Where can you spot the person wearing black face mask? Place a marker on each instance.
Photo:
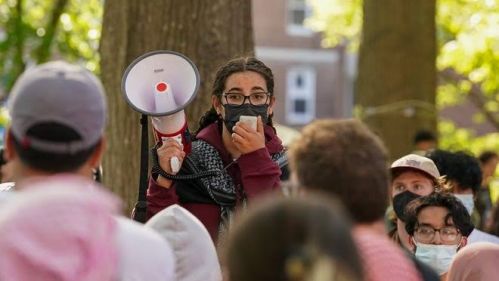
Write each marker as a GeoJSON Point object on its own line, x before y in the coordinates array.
{"type": "Point", "coordinates": [413, 176]}
{"type": "Point", "coordinates": [247, 158]}
{"type": "Point", "coordinates": [236, 106]}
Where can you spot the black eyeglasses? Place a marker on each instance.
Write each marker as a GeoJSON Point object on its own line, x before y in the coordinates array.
{"type": "Point", "coordinates": [259, 98]}
{"type": "Point", "coordinates": [426, 234]}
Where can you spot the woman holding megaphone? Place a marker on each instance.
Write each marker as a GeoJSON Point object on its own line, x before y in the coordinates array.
{"type": "Point", "coordinates": [236, 140]}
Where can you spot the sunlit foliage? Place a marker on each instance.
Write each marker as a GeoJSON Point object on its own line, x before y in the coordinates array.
{"type": "Point", "coordinates": [34, 31]}
{"type": "Point", "coordinates": [468, 41]}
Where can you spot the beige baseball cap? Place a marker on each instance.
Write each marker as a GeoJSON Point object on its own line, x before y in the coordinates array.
{"type": "Point", "coordinates": [62, 93]}
{"type": "Point", "coordinates": [417, 162]}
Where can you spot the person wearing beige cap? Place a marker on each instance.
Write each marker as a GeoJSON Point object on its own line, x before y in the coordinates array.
{"type": "Point", "coordinates": [413, 176]}
{"type": "Point", "coordinates": [56, 137]}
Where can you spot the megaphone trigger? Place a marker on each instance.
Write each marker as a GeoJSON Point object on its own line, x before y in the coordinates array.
{"type": "Point", "coordinates": [175, 164]}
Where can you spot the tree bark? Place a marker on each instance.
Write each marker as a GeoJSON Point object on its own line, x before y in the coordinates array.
{"type": "Point", "coordinates": [397, 71]}
{"type": "Point", "coordinates": [208, 32]}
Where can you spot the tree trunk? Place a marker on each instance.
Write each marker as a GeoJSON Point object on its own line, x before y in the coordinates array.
{"type": "Point", "coordinates": [397, 71]}
{"type": "Point", "coordinates": [208, 32]}
{"type": "Point", "coordinates": [18, 56]}
{"type": "Point", "coordinates": [43, 51]}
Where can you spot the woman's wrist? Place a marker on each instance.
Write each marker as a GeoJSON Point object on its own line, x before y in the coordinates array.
{"type": "Point", "coordinates": [164, 182]}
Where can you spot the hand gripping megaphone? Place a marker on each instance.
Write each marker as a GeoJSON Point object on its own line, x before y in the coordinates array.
{"type": "Point", "coordinates": [161, 84]}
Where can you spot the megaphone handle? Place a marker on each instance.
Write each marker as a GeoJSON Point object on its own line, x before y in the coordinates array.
{"type": "Point", "coordinates": [140, 210]}
{"type": "Point", "coordinates": [156, 168]}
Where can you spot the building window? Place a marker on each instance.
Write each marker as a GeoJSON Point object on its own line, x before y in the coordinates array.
{"type": "Point", "coordinates": [298, 12]}
{"type": "Point", "coordinates": [300, 95]}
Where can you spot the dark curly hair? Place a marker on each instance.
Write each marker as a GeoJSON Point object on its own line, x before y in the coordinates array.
{"type": "Point", "coordinates": [457, 212]}
{"type": "Point", "coordinates": [460, 167]}
{"type": "Point", "coordinates": [234, 66]}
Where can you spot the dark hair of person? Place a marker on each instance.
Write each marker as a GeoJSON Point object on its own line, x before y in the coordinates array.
{"type": "Point", "coordinates": [286, 238]}
{"type": "Point", "coordinates": [52, 162]}
{"type": "Point", "coordinates": [424, 135]}
{"type": "Point", "coordinates": [345, 159]}
{"type": "Point", "coordinates": [235, 66]}
{"type": "Point", "coordinates": [459, 167]}
{"type": "Point", "coordinates": [486, 156]}
{"type": "Point", "coordinates": [457, 212]}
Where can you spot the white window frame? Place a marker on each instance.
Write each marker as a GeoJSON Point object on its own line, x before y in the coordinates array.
{"type": "Point", "coordinates": [295, 29]}
{"type": "Point", "coordinates": [307, 93]}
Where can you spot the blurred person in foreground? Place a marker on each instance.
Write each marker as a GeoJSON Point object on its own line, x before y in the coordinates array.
{"type": "Point", "coordinates": [291, 239]}
{"type": "Point", "coordinates": [56, 136]}
{"type": "Point", "coordinates": [344, 159]}
{"type": "Point", "coordinates": [476, 262]}
{"type": "Point", "coordinates": [196, 258]}
{"type": "Point", "coordinates": [42, 241]}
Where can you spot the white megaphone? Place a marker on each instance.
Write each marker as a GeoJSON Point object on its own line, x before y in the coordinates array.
{"type": "Point", "coordinates": [161, 84]}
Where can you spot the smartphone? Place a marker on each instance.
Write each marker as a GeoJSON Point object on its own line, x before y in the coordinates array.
{"type": "Point", "coordinates": [249, 120]}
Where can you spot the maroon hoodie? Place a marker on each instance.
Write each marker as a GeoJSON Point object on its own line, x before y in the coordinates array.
{"type": "Point", "coordinates": [256, 172]}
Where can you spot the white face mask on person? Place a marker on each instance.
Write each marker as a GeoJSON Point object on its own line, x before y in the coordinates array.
{"type": "Point", "coordinates": [467, 200]}
{"type": "Point", "coordinates": [438, 257]}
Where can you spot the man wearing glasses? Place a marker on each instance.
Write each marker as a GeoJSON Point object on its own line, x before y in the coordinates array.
{"type": "Point", "coordinates": [438, 226]}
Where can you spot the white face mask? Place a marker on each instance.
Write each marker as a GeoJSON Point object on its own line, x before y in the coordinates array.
{"type": "Point", "coordinates": [467, 200]}
{"type": "Point", "coordinates": [438, 257]}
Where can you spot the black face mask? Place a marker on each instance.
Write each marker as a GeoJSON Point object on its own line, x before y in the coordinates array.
{"type": "Point", "coordinates": [400, 201]}
{"type": "Point", "coordinates": [233, 112]}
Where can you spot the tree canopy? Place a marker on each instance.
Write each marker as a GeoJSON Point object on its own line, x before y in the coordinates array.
{"type": "Point", "coordinates": [467, 36]}
{"type": "Point", "coordinates": [468, 58]}
{"type": "Point", "coordinates": [35, 31]}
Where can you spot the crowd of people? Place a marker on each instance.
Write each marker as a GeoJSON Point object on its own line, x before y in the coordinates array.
{"type": "Point", "coordinates": [331, 207]}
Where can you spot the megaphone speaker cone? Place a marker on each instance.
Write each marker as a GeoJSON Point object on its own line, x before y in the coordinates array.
{"type": "Point", "coordinates": [164, 72]}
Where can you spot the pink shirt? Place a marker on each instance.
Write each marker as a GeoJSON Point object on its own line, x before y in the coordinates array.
{"type": "Point", "coordinates": [383, 260]}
